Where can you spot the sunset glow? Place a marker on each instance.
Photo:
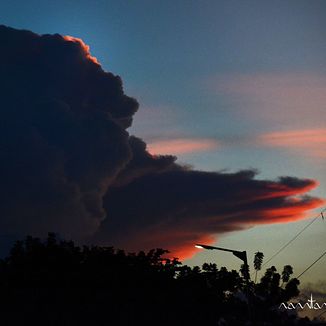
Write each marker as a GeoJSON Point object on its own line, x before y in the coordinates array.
{"type": "Point", "coordinates": [154, 124]}
{"type": "Point", "coordinates": [181, 146]}
{"type": "Point", "coordinates": [310, 141]}
{"type": "Point", "coordinates": [84, 46]}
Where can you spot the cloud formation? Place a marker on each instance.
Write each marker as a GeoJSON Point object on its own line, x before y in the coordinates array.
{"type": "Point", "coordinates": [85, 48]}
{"type": "Point", "coordinates": [311, 142]}
{"type": "Point", "coordinates": [63, 138]}
{"type": "Point", "coordinates": [179, 208]}
{"type": "Point", "coordinates": [180, 146]}
{"type": "Point", "coordinates": [69, 165]}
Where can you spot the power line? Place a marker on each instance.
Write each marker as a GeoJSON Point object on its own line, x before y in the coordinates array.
{"type": "Point", "coordinates": [296, 236]}
{"type": "Point", "coordinates": [320, 257]}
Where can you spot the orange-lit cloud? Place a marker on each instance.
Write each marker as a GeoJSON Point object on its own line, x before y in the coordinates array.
{"type": "Point", "coordinates": [175, 209]}
{"type": "Point", "coordinates": [295, 209]}
{"type": "Point", "coordinates": [183, 241]}
{"type": "Point", "coordinates": [181, 236]}
{"type": "Point", "coordinates": [84, 46]}
{"type": "Point", "coordinates": [181, 146]}
{"type": "Point", "coordinates": [310, 142]}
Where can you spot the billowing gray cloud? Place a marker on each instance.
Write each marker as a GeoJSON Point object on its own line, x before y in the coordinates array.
{"type": "Point", "coordinates": [177, 208]}
{"type": "Point", "coordinates": [63, 138]}
{"type": "Point", "coordinates": [68, 165]}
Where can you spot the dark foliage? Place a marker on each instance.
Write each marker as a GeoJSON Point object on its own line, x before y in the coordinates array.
{"type": "Point", "coordinates": [58, 283]}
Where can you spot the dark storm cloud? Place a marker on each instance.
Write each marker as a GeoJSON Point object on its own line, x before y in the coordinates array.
{"type": "Point", "coordinates": [68, 164]}
{"type": "Point", "coordinates": [63, 137]}
{"type": "Point", "coordinates": [177, 208]}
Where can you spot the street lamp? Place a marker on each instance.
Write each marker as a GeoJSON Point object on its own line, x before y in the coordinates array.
{"type": "Point", "coordinates": [243, 256]}
{"type": "Point", "coordinates": [240, 254]}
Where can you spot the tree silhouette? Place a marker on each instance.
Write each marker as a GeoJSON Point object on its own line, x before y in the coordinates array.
{"type": "Point", "coordinates": [286, 274]}
{"type": "Point", "coordinates": [57, 283]}
{"type": "Point", "coordinates": [258, 261]}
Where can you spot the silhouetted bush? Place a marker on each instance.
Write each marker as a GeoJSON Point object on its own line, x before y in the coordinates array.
{"type": "Point", "coordinates": [58, 283]}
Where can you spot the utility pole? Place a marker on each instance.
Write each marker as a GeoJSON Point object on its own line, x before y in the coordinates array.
{"type": "Point", "coordinates": [242, 255]}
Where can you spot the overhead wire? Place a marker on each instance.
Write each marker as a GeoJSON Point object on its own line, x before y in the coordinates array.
{"type": "Point", "coordinates": [319, 258]}
{"type": "Point", "coordinates": [295, 237]}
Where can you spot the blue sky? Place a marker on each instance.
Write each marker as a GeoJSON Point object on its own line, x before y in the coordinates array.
{"type": "Point", "coordinates": [241, 83]}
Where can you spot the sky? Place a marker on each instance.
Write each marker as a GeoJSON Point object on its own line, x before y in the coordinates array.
{"type": "Point", "coordinates": [223, 85]}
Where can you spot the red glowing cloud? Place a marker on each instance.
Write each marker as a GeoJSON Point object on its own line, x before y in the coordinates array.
{"type": "Point", "coordinates": [178, 208]}
{"type": "Point", "coordinates": [294, 209]}
{"type": "Point", "coordinates": [84, 46]}
{"type": "Point", "coordinates": [180, 237]}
